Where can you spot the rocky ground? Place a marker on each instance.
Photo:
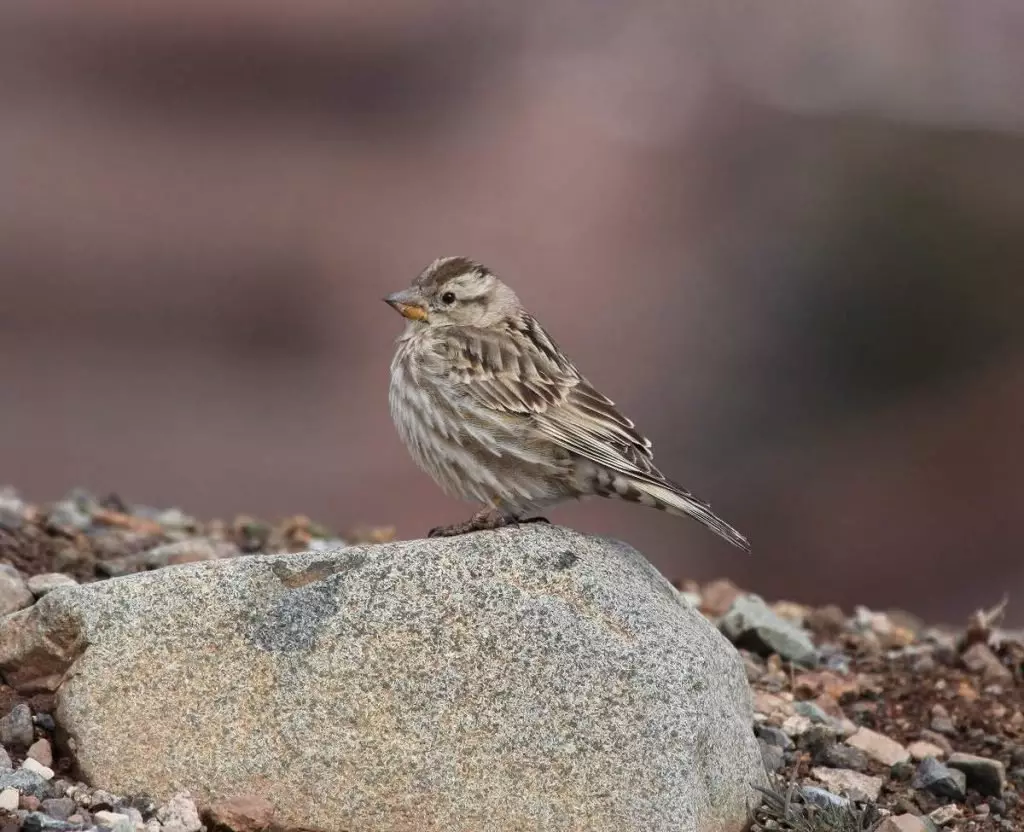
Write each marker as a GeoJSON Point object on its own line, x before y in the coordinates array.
{"type": "Point", "coordinates": [875, 721]}
{"type": "Point", "coordinates": [869, 720]}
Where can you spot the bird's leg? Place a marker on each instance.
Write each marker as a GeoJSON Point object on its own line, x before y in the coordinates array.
{"type": "Point", "coordinates": [486, 518]}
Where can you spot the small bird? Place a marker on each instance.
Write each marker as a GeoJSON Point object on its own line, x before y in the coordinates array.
{"type": "Point", "coordinates": [495, 412]}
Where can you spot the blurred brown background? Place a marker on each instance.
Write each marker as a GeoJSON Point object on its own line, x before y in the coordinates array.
{"type": "Point", "coordinates": [787, 238]}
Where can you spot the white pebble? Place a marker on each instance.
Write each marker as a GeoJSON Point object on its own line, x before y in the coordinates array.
{"type": "Point", "coordinates": [9, 800]}
{"type": "Point", "coordinates": [34, 765]}
{"type": "Point", "coordinates": [108, 820]}
{"type": "Point", "coordinates": [796, 726]}
{"type": "Point", "coordinates": [180, 814]}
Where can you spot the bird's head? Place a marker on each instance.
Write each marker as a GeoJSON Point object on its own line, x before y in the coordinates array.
{"type": "Point", "coordinates": [456, 291]}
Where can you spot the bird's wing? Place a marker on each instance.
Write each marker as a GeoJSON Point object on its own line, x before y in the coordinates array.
{"type": "Point", "coordinates": [521, 371]}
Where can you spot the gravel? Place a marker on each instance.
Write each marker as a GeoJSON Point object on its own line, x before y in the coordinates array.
{"type": "Point", "coordinates": [948, 703]}
{"type": "Point", "coordinates": [940, 780]}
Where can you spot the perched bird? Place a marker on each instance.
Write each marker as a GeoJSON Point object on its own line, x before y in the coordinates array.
{"type": "Point", "coordinates": [495, 412]}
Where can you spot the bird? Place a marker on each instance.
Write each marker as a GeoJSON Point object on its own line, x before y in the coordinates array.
{"type": "Point", "coordinates": [490, 406]}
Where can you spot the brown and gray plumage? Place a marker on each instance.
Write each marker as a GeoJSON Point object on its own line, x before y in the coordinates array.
{"type": "Point", "coordinates": [495, 412]}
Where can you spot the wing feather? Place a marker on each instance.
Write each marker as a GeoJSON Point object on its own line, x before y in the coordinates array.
{"type": "Point", "coordinates": [521, 371]}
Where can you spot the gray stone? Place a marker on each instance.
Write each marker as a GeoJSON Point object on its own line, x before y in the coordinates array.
{"type": "Point", "coordinates": [773, 756]}
{"type": "Point", "coordinates": [824, 799]}
{"type": "Point", "coordinates": [39, 585]}
{"type": "Point", "coordinates": [68, 516]}
{"type": "Point", "coordinates": [26, 782]}
{"type": "Point", "coordinates": [751, 624]}
{"type": "Point", "coordinates": [774, 736]}
{"type": "Point", "coordinates": [834, 755]}
{"type": "Point", "coordinates": [16, 730]}
{"type": "Point", "coordinates": [500, 680]}
{"type": "Point", "coordinates": [38, 822]}
{"type": "Point", "coordinates": [5, 760]}
{"type": "Point", "coordinates": [942, 722]}
{"type": "Point", "coordinates": [59, 807]}
{"type": "Point", "coordinates": [813, 712]}
{"type": "Point", "coordinates": [12, 509]}
{"type": "Point", "coordinates": [14, 594]}
{"type": "Point", "coordinates": [987, 776]}
{"type": "Point", "coordinates": [175, 518]}
{"type": "Point", "coordinates": [113, 821]}
{"type": "Point", "coordinates": [941, 781]}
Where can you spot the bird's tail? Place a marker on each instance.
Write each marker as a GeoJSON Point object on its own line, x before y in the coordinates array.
{"type": "Point", "coordinates": [669, 497]}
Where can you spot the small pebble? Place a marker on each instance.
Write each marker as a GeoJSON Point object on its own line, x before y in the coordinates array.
{"type": "Point", "coordinates": [945, 814]}
{"type": "Point", "coordinates": [244, 813]}
{"type": "Point", "coordinates": [920, 749]}
{"type": "Point", "coordinates": [941, 722]}
{"type": "Point", "coordinates": [37, 768]}
{"type": "Point", "coordinates": [813, 712]}
{"type": "Point", "coordinates": [902, 823]}
{"type": "Point", "coordinates": [824, 798]}
{"type": "Point", "coordinates": [38, 822]}
{"type": "Point", "coordinates": [134, 815]}
{"type": "Point", "coordinates": [111, 820]}
{"type": "Point", "coordinates": [879, 747]}
{"type": "Point", "coordinates": [61, 808]}
{"type": "Point", "coordinates": [841, 756]}
{"type": "Point", "coordinates": [41, 752]}
{"type": "Point", "coordinates": [9, 799]}
{"type": "Point", "coordinates": [772, 756]}
{"type": "Point", "coordinates": [16, 729]}
{"type": "Point", "coordinates": [854, 784]}
{"type": "Point", "coordinates": [940, 780]}
{"type": "Point", "coordinates": [997, 806]}
{"type": "Point", "coordinates": [979, 658]}
{"type": "Point", "coordinates": [40, 585]}
{"type": "Point", "coordinates": [985, 775]}
{"type": "Point", "coordinates": [796, 726]}
{"type": "Point", "coordinates": [14, 594]}
{"type": "Point", "coordinates": [180, 814]}
{"type": "Point", "coordinates": [101, 799]}
{"type": "Point", "coordinates": [773, 736]}
{"type": "Point", "coordinates": [937, 739]}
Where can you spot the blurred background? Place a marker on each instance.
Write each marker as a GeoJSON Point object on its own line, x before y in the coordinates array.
{"type": "Point", "coordinates": [787, 238]}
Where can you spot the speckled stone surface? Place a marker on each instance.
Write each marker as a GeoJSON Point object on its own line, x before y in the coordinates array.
{"type": "Point", "coordinates": [529, 678]}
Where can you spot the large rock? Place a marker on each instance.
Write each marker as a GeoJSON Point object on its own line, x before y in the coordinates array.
{"type": "Point", "coordinates": [529, 678]}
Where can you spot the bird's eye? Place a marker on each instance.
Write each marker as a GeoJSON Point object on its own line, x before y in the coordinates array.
{"type": "Point", "coordinates": [448, 297]}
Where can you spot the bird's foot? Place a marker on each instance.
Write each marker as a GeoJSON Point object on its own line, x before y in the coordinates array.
{"type": "Point", "coordinates": [535, 520]}
{"type": "Point", "coordinates": [483, 520]}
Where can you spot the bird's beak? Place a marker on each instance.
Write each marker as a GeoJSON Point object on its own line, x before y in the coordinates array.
{"type": "Point", "coordinates": [408, 304]}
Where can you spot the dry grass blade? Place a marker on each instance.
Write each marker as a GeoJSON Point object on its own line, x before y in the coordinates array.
{"type": "Point", "coordinates": [785, 808]}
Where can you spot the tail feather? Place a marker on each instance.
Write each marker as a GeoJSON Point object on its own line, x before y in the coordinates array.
{"type": "Point", "coordinates": [672, 499]}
